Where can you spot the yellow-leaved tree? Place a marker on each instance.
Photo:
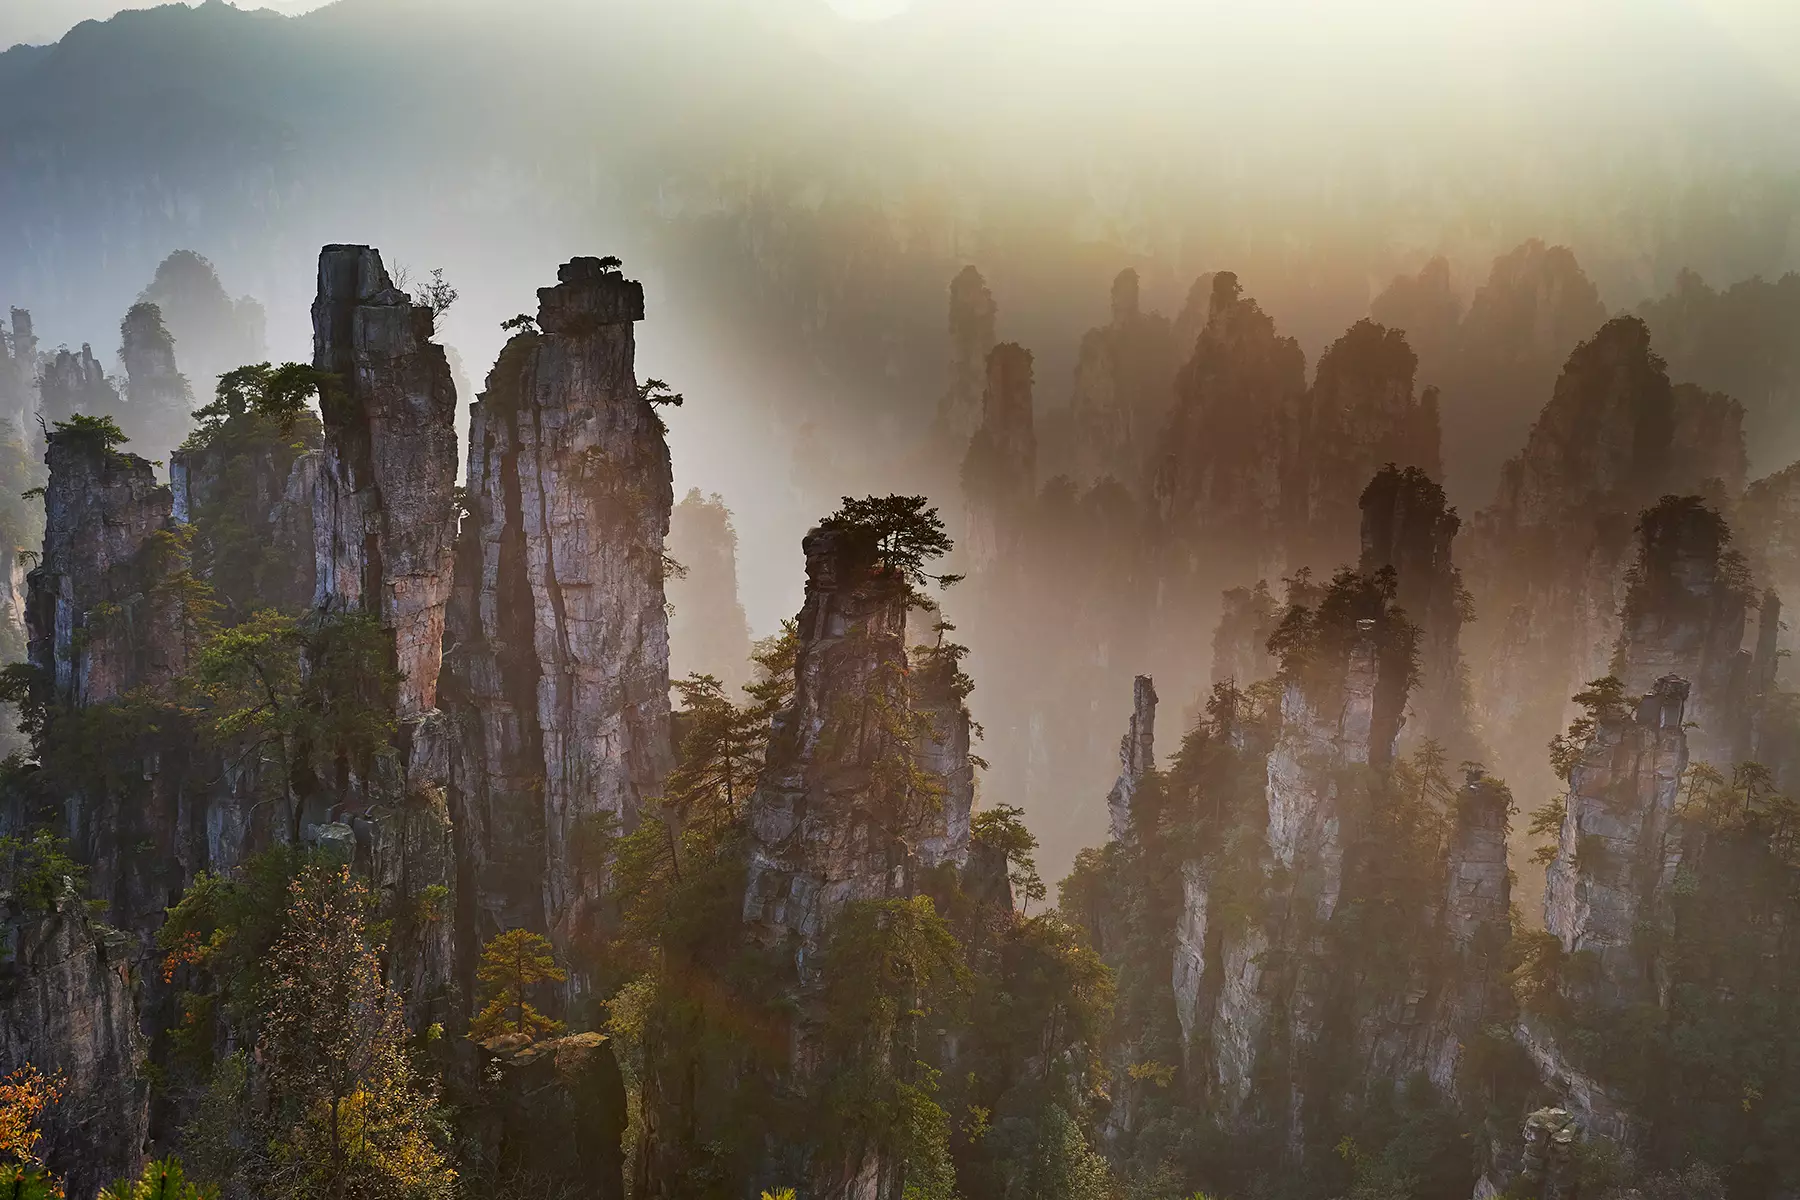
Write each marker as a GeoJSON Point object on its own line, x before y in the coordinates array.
{"type": "Point", "coordinates": [512, 963]}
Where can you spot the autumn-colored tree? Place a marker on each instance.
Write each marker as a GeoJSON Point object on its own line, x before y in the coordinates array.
{"type": "Point", "coordinates": [24, 1095]}
{"type": "Point", "coordinates": [512, 963]}
{"type": "Point", "coordinates": [351, 1120]}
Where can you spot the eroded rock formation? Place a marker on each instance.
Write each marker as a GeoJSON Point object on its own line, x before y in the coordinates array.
{"type": "Point", "coordinates": [1000, 471]}
{"type": "Point", "coordinates": [1247, 621]}
{"type": "Point", "coordinates": [972, 316]}
{"type": "Point", "coordinates": [1137, 757]}
{"type": "Point", "coordinates": [1408, 528]}
{"type": "Point", "coordinates": [708, 633]}
{"type": "Point", "coordinates": [76, 383]}
{"type": "Point", "coordinates": [558, 661]}
{"type": "Point", "coordinates": [1124, 384]}
{"type": "Point", "coordinates": [157, 396]}
{"type": "Point", "coordinates": [18, 371]}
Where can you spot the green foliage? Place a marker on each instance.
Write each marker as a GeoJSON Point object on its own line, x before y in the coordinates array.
{"type": "Point", "coordinates": [164, 1180]}
{"type": "Point", "coordinates": [253, 401]}
{"type": "Point", "coordinates": [896, 535]}
{"type": "Point", "coordinates": [1001, 832]}
{"type": "Point", "coordinates": [1546, 827]}
{"type": "Point", "coordinates": [657, 393]}
{"type": "Point", "coordinates": [97, 433]}
{"type": "Point", "coordinates": [1319, 629]}
{"type": "Point", "coordinates": [512, 965]}
{"type": "Point", "coordinates": [37, 870]}
{"type": "Point", "coordinates": [27, 1183]}
{"type": "Point", "coordinates": [1603, 701]}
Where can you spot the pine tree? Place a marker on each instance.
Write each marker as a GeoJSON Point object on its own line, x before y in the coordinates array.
{"type": "Point", "coordinates": [511, 964]}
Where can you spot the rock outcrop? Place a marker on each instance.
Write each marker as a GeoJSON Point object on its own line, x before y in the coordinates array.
{"type": "Point", "coordinates": [1547, 562]}
{"type": "Point", "coordinates": [1137, 757]}
{"type": "Point", "coordinates": [74, 383]}
{"type": "Point", "coordinates": [1408, 528]}
{"type": "Point", "coordinates": [385, 516]}
{"type": "Point", "coordinates": [67, 1008]}
{"type": "Point", "coordinates": [157, 397]}
{"type": "Point", "coordinates": [999, 474]}
{"type": "Point", "coordinates": [99, 624]}
{"type": "Point", "coordinates": [972, 316]}
{"type": "Point", "coordinates": [217, 332]}
{"type": "Point", "coordinates": [708, 633]}
{"type": "Point", "coordinates": [1360, 413]}
{"type": "Point", "coordinates": [1124, 384]}
{"type": "Point", "coordinates": [1247, 621]}
{"type": "Point", "coordinates": [557, 677]}
{"type": "Point", "coordinates": [18, 372]}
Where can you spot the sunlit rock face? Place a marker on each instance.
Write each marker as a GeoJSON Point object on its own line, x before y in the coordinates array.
{"type": "Point", "coordinates": [708, 633]}
{"type": "Point", "coordinates": [157, 397]}
{"type": "Point", "coordinates": [1409, 529]}
{"type": "Point", "coordinates": [1547, 562]}
{"type": "Point", "coordinates": [972, 316]}
{"type": "Point", "coordinates": [1124, 384]}
{"type": "Point", "coordinates": [1137, 757]}
{"type": "Point", "coordinates": [97, 626]}
{"type": "Point", "coordinates": [557, 675]}
{"type": "Point", "coordinates": [1360, 414]}
{"type": "Point", "coordinates": [69, 1010]}
{"type": "Point", "coordinates": [385, 515]}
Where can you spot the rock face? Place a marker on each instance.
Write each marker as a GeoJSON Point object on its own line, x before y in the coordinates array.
{"type": "Point", "coordinates": [1000, 472]}
{"type": "Point", "coordinates": [1767, 525]}
{"type": "Point", "coordinates": [1217, 485]}
{"type": "Point", "coordinates": [1124, 383]}
{"type": "Point", "coordinates": [1548, 561]}
{"type": "Point", "coordinates": [67, 1007]}
{"type": "Point", "coordinates": [98, 625]}
{"type": "Point", "coordinates": [1685, 615]}
{"type": "Point", "coordinates": [1241, 642]}
{"type": "Point", "coordinates": [1359, 414]}
{"type": "Point", "coordinates": [1408, 528]}
{"type": "Point", "coordinates": [708, 633]}
{"type": "Point", "coordinates": [1137, 757]}
{"type": "Point", "coordinates": [558, 672]}
{"type": "Point", "coordinates": [384, 515]}
{"type": "Point", "coordinates": [76, 383]}
{"type": "Point", "coordinates": [972, 316]}
{"type": "Point", "coordinates": [820, 835]}
{"type": "Point", "coordinates": [1620, 844]}
{"type": "Point", "coordinates": [18, 371]}
{"type": "Point", "coordinates": [157, 397]}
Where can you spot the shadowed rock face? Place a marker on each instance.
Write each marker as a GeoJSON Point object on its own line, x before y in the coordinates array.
{"type": "Point", "coordinates": [972, 316]}
{"type": "Point", "coordinates": [1137, 757]}
{"type": "Point", "coordinates": [558, 667]}
{"type": "Point", "coordinates": [18, 371]}
{"type": "Point", "coordinates": [384, 514]}
{"type": "Point", "coordinates": [1408, 528]}
{"type": "Point", "coordinates": [69, 1009]}
{"type": "Point", "coordinates": [74, 383]}
{"type": "Point", "coordinates": [1547, 562]}
{"type": "Point", "coordinates": [999, 473]}
{"type": "Point", "coordinates": [1360, 414]}
{"type": "Point", "coordinates": [1124, 383]}
{"type": "Point", "coordinates": [98, 627]}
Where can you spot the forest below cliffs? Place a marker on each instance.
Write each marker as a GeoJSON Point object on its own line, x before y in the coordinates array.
{"type": "Point", "coordinates": [1171, 793]}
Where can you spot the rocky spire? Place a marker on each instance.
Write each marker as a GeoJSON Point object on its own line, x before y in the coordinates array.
{"type": "Point", "coordinates": [1124, 384]}
{"type": "Point", "coordinates": [385, 514]}
{"type": "Point", "coordinates": [1685, 615]}
{"type": "Point", "coordinates": [1360, 413]}
{"type": "Point", "coordinates": [1000, 472]}
{"type": "Point", "coordinates": [1620, 845]}
{"type": "Point", "coordinates": [558, 669]}
{"type": "Point", "coordinates": [1426, 308]}
{"type": "Point", "coordinates": [972, 317]}
{"type": "Point", "coordinates": [1137, 757]}
{"type": "Point", "coordinates": [1247, 619]}
{"type": "Point", "coordinates": [100, 625]}
{"type": "Point", "coordinates": [18, 371]}
{"type": "Point", "coordinates": [708, 633]}
{"type": "Point", "coordinates": [158, 401]}
{"type": "Point", "coordinates": [1408, 528]}
{"type": "Point", "coordinates": [76, 383]}
{"type": "Point", "coordinates": [819, 834]}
